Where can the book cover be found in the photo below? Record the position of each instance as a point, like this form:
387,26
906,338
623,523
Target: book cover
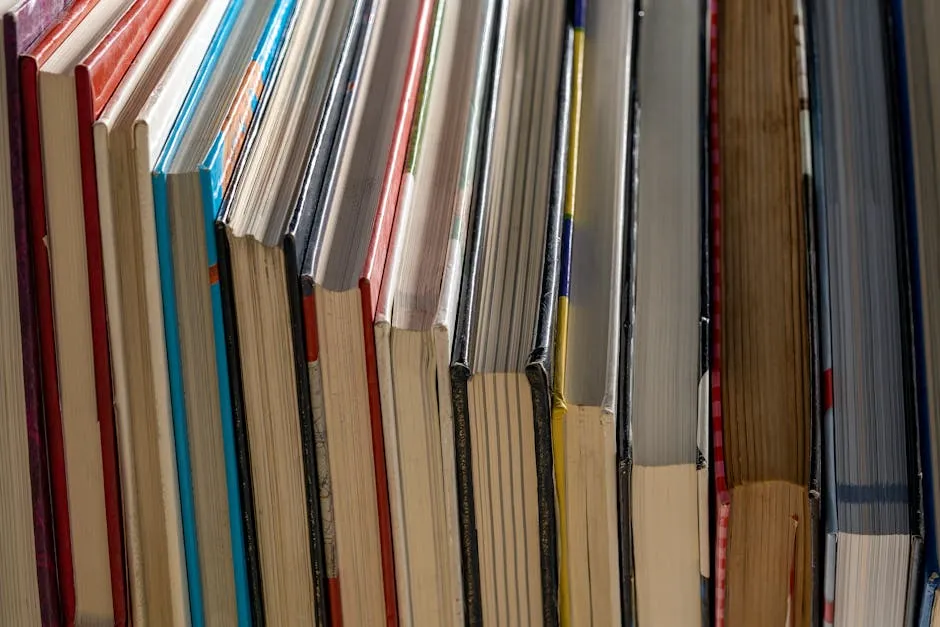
539,364
29,64
22,26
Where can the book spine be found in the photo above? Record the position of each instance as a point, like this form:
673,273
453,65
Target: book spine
35,425
29,72
99,329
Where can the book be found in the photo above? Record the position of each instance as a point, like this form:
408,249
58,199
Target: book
587,342
263,228
874,520
128,136
30,61
515,232
28,547
341,94
919,96
414,320
72,86
668,430
342,274
190,179
763,368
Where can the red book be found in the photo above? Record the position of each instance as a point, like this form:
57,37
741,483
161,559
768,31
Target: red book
369,285
96,78
29,85
22,27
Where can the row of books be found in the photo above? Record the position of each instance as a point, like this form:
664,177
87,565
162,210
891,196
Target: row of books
504,312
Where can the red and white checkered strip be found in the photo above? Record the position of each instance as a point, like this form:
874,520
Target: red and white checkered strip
721,485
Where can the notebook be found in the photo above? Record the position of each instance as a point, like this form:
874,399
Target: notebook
501,360
669,506
27,550
874,527
763,367
919,92
74,83
414,319
342,273
190,179
259,222
128,137
587,344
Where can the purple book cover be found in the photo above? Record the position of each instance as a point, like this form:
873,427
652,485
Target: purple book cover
21,28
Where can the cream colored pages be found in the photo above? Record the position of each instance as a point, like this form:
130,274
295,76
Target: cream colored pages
72,311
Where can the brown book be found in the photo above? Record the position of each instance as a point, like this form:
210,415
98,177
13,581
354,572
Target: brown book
762,333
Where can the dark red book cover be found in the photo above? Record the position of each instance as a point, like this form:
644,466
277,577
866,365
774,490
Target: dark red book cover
96,78
22,26
36,204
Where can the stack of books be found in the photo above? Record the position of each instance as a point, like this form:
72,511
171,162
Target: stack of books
453,312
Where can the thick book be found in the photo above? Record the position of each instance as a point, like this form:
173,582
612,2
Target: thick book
343,270
414,320
38,596
264,221
96,78
874,536
765,388
585,406
190,180
33,195
205,432
480,370
340,97
65,94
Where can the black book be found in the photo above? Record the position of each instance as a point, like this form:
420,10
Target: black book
501,385
274,431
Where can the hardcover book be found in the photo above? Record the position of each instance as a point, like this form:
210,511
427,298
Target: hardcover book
189,181
501,364
343,269
28,547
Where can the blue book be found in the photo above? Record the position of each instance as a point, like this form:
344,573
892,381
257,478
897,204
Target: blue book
189,183
917,150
